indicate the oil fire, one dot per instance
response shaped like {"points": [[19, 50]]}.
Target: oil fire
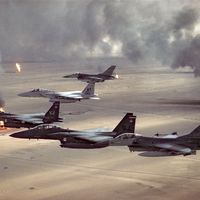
{"points": [[18, 66], [1, 122]]}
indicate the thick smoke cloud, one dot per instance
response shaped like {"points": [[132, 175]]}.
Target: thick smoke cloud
{"points": [[188, 55], [186, 19], [145, 32]]}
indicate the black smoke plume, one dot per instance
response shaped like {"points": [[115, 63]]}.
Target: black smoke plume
{"points": [[145, 32]]}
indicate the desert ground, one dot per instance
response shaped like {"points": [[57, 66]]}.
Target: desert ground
{"points": [[163, 100]]}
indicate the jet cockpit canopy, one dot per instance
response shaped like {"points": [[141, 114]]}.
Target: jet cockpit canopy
{"points": [[46, 126]]}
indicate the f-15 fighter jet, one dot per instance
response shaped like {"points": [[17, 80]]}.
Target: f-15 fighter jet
{"points": [[31, 120], [63, 97], [82, 139]]}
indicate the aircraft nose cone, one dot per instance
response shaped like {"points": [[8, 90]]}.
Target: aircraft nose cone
{"points": [[24, 94], [14, 135], [70, 76], [67, 76], [19, 135]]}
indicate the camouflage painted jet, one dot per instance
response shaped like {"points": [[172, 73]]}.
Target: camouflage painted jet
{"points": [[107, 75], [63, 97], [82, 139], [167, 144], [31, 120]]}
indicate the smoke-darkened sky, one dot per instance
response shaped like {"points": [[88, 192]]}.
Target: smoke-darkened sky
{"points": [[143, 31]]}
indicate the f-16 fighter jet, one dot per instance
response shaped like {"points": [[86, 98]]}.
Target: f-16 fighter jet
{"points": [[107, 75], [82, 139], [63, 97], [31, 120]]}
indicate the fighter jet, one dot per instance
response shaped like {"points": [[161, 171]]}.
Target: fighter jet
{"points": [[107, 75], [83, 139], [63, 97], [31, 120], [123, 135], [167, 144]]}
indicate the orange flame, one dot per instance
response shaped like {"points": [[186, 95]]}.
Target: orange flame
{"points": [[18, 66], [1, 122]]}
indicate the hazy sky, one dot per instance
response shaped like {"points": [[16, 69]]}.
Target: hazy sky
{"points": [[143, 31]]}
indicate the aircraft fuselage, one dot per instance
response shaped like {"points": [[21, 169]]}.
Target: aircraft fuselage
{"points": [[142, 143]]}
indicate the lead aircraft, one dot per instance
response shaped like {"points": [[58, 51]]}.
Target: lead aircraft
{"points": [[81, 139]]}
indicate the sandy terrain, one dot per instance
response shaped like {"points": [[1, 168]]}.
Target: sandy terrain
{"points": [[163, 102]]}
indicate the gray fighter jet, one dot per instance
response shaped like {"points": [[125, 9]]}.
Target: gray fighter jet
{"points": [[63, 97], [82, 139], [107, 75], [31, 120], [167, 144]]}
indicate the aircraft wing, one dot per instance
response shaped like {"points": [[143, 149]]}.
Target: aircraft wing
{"points": [[68, 95], [6, 116], [28, 119], [94, 78], [95, 97], [75, 97], [92, 139], [86, 136], [179, 149]]}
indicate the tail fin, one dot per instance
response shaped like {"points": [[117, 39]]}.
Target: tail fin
{"points": [[89, 89], [109, 71], [126, 125], [195, 132], [52, 115]]}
